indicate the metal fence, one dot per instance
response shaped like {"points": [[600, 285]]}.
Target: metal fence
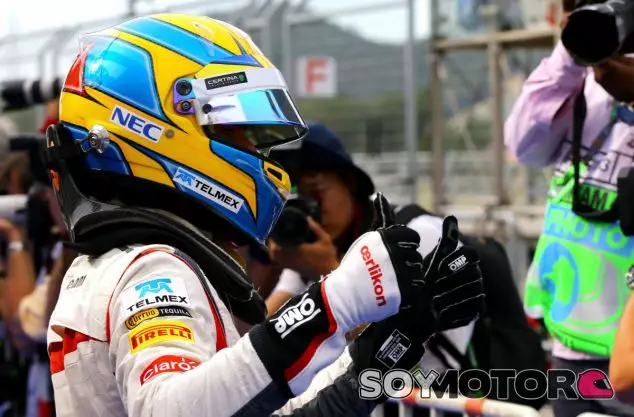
{"points": [[357, 66], [361, 67]]}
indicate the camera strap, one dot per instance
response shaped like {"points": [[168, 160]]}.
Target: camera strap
{"points": [[578, 206]]}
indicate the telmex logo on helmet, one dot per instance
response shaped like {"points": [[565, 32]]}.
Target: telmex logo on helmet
{"points": [[136, 124], [296, 315], [208, 190]]}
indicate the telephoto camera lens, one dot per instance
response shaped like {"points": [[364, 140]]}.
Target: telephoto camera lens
{"points": [[596, 32], [292, 229]]}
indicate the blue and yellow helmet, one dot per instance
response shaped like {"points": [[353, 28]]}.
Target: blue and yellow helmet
{"points": [[184, 110]]}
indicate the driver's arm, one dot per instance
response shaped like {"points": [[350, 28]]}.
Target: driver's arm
{"points": [[180, 365]]}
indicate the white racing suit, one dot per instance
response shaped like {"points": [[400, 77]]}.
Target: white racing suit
{"points": [[135, 334]]}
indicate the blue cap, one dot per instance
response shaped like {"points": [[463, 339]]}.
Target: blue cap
{"points": [[322, 150]]}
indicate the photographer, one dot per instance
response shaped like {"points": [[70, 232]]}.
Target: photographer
{"points": [[337, 193], [14, 180], [579, 119], [622, 361], [36, 265]]}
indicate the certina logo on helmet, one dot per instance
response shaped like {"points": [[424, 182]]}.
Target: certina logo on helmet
{"points": [[168, 363], [208, 190], [225, 80], [457, 264], [376, 274], [136, 124], [296, 315]]}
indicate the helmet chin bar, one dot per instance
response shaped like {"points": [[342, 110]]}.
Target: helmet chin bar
{"points": [[96, 227]]}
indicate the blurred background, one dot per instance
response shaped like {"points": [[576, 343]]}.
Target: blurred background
{"points": [[418, 89]]}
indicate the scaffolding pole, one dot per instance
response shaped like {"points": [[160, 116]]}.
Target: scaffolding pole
{"points": [[495, 45], [411, 113]]}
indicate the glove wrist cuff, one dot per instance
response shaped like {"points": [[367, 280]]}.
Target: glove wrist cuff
{"points": [[298, 341]]}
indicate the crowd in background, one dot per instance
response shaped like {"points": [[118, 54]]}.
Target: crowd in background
{"points": [[541, 130], [33, 266], [34, 262]]}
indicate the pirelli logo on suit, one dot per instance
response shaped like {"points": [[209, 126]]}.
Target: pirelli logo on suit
{"points": [[151, 313], [159, 331]]}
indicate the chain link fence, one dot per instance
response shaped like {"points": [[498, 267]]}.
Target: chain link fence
{"points": [[348, 66]]}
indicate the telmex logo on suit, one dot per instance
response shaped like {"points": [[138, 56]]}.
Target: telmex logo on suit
{"points": [[154, 293]]}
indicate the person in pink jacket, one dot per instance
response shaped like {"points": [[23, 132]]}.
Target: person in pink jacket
{"points": [[577, 280]]}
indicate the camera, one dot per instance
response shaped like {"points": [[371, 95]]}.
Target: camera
{"points": [[625, 190], [599, 30], [24, 93], [13, 207], [32, 209], [292, 229]]}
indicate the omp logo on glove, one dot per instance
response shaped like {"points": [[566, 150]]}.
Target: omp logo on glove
{"points": [[374, 270], [167, 363], [393, 349], [159, 331], [295, 315], [458, 264]]}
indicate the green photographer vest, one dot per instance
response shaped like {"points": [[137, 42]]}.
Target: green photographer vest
{"points": [[577, 280]]}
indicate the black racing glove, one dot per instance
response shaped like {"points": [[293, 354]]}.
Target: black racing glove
{"points": [[374, 281], [451, 296], [454, 281]]}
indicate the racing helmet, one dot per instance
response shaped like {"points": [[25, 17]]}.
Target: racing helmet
{"points": [[176, 112]]}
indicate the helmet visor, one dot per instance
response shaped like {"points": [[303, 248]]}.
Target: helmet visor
{"points": [[256, 101]]}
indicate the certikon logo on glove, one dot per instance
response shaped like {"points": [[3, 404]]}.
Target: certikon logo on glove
{"points": [[374, 270], [295, 316]]}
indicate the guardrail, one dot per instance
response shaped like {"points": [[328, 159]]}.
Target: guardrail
{"points": [[465, 406], [462, 405], [594, 415]]}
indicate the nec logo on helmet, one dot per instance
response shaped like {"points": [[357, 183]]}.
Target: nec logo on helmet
{"points": [[136, 124], [458, 263]]}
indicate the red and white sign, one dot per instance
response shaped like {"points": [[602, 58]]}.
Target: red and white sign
{"points": [[316, 77], [168, 363]]}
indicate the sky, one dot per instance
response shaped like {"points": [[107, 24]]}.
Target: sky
{"points": [[18, 15], [387, 24]]}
